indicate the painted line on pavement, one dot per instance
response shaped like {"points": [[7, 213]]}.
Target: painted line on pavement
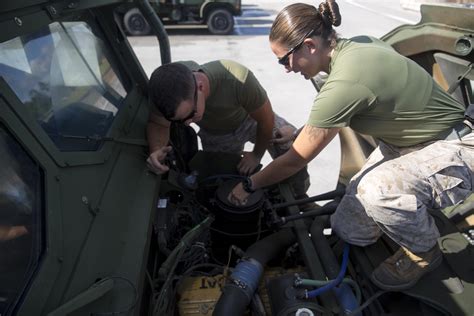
{"points": [[384, 14]]}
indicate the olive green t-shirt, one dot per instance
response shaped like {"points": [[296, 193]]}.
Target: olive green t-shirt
{"points": [[378, 92], [234, 92]]}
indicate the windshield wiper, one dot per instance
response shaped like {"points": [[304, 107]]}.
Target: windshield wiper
{"points": [[98, 138]]}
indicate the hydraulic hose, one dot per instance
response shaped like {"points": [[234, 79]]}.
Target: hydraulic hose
{"points": [[237, 294], [344, 294], [318, 283], [336, 281]]}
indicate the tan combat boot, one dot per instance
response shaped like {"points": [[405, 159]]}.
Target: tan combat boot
{"points": [[402, 270]]}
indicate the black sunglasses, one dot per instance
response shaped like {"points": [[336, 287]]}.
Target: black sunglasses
{"points": [[285, 59], [194, 111]]}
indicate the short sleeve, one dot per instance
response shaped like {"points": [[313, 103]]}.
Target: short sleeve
{"points": [[338, 102], [251, 95]]}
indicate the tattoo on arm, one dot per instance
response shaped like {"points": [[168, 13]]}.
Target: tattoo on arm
{"points": [[313, 132]]}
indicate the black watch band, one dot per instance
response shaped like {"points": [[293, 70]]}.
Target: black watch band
{"points": [[247, 184]]}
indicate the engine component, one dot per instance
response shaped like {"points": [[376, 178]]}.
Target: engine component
{"points": [[198, 295], [234, 212], [304, 312], [284, 297], [235, 225], [237, 294]]}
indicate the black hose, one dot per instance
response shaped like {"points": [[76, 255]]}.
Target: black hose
{"points": [[328, 259], [232, 302], [326, 209], [237, 294], [322, 197], [269, 247]]}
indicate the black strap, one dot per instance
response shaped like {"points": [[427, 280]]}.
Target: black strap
{"points": [[469, 114], [459, 130]]}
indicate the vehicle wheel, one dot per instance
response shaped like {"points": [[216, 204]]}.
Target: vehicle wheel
{"points": [[220, 22], [135, 23]]}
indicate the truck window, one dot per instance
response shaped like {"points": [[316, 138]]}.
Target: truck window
{"points": [[63, 76], [20, 220]]}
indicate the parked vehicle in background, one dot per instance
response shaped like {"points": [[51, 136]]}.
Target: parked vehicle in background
{"points": [[218, 15]]}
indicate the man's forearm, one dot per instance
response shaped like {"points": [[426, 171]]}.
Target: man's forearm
{"points": [[157, 135], [262, 140]]}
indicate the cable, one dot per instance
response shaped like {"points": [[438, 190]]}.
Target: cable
{"points": [[367, 303], [220, 176], [202, 265], [127, 309], [238, 235]]}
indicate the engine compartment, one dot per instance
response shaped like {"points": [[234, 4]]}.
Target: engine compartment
{"points": [[277, 256]]}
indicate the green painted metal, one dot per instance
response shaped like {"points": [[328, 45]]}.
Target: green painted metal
{"points": [[91, 294], [439, 28], [97, 206]]}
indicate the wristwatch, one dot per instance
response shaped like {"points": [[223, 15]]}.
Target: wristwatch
{"points": [[247, 185]]}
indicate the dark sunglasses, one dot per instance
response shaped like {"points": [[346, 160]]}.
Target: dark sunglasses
{"points": [[285, 59], [194, 111]]}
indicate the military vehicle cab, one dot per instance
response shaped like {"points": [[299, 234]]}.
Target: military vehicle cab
{"points": [[86, 229], [217, 15]]}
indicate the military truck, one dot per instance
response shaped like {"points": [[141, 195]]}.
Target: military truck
{"points": [[218, 15], [86, 229]]}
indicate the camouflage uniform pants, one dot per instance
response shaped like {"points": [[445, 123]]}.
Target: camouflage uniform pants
{"points": [[396, 187], [234, 143]]}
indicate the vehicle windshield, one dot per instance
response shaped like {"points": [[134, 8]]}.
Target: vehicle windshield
{"points": [[62, 75], [21, 229]]}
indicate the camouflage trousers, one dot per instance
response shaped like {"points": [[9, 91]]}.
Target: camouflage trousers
{"points": [[396, 187], [247, 132]]}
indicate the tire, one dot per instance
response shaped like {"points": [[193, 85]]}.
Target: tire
{"points": [[220, 22], [135, 23]]}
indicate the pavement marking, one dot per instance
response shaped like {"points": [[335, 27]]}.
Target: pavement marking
{"points": [[243, 26], [380, 13]]}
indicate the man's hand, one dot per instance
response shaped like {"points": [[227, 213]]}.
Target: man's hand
{"points": [[248, 163], [284, 134], [12, 232], [238, 196], [155, 161]]}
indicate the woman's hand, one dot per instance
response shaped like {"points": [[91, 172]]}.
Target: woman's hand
{"points": [[248, 163], [238, 196]]}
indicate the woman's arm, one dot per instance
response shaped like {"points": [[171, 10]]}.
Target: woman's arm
{"points": [[309, 143]]}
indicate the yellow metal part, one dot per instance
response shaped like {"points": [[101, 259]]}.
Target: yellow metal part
{"points": [[199, 295]]}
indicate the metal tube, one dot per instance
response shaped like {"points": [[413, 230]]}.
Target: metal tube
{"points": [[158, 28], [322, 197]]}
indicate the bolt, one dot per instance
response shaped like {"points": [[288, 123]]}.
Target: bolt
{"points": [[85, 200], [18, 21]]}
